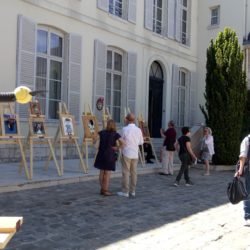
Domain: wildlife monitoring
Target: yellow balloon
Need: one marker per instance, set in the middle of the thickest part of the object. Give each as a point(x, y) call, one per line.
point(22, 94)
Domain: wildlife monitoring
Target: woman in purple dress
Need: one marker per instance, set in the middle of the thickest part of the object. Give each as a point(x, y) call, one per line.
point(106, 156)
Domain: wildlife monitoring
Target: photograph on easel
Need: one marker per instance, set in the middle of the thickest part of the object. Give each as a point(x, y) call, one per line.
point(10, 124)
point(90, 125)
point(68, 125)
point(38, 128)
point(144, 129)
point(35, 108)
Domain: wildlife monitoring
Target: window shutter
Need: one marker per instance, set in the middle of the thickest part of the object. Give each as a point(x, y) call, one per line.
point(148, 16)
point(192, 98)
point(132, 11)
point(175, 88)
point(65, 79)
point(75, 54)
point(171, 18)
point(131, 81)
point(178, 21)
point(103, 5)
point(26, 58)
point(165, 18)
point(99, 86)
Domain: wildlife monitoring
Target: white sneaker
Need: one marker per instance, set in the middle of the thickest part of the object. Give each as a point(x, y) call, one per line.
point(122, 194)
point(132, 194)
point(247, 223)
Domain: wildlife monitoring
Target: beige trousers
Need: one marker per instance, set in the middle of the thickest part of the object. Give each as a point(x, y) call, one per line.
point(168, 161)
point(129, 169)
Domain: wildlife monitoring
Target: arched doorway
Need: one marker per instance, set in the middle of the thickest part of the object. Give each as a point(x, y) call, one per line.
point(155, 99)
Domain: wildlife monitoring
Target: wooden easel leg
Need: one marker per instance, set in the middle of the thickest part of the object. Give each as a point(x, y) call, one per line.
point(61, 156)
point(141, 158)
point(87, 153)
point(153, 150)
point(80, 156)
point(54, 144)
point(31, 159)
point(23, 159)
point(54, 157)
point(21, 162)
point(142, 155)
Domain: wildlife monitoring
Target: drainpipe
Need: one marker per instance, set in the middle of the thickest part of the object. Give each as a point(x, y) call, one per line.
point(246, 9)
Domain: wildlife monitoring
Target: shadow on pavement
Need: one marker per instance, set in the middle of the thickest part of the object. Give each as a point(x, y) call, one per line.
point(76, 216)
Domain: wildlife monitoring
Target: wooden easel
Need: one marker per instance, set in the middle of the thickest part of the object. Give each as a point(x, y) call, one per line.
point(89, 138)
point(66, 133)
point(146, 136)
point(10, 131)
point(38, 135)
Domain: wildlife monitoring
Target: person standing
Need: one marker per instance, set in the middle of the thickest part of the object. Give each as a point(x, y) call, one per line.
point(105, 159)
point(132, 137)
point(168, 149)
point(207, 148)
point(186, 155)
point(244, 147)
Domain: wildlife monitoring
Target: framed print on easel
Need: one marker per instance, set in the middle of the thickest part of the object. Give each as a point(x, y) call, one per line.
point(10, 131)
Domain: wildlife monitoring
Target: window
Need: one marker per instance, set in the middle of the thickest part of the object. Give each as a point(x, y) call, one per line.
point(215, 13)
point(114, 83)
point(49, 69)
point(184, 15)
point(157, 16)
point(182, 90)
point(115, 7)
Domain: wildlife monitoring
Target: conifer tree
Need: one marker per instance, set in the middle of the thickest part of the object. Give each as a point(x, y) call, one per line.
point(225, 95)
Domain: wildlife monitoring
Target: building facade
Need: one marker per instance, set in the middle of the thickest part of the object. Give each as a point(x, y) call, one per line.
point(140, 55)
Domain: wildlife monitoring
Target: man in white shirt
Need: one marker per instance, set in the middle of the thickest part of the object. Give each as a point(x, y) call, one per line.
point(244, 156)
point(132, 137)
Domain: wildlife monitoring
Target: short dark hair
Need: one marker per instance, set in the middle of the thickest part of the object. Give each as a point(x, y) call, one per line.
point(185, 130)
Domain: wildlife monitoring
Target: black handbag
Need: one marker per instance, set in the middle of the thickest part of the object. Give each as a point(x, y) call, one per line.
point(236, 191)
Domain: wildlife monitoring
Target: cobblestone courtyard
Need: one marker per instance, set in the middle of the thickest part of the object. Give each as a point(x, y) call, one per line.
point(161, 216)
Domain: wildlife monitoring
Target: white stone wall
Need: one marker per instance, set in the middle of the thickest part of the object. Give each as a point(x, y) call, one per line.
point(232, 14)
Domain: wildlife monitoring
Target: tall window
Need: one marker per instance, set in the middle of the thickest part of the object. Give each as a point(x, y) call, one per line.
point(115, 7)
point(215, 14)
point(157, 16)
point(114, 83)
point(49, 63)
point(184, 15)
point(182, 98)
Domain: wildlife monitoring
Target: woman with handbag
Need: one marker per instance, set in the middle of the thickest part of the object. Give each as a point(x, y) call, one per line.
point(207, 148)
point(243, 159)
point(106, 156)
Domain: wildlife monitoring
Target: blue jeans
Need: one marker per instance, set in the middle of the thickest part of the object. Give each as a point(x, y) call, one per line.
point(246, 203)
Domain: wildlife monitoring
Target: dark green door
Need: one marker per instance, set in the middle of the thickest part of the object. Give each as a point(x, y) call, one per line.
point(155, 107)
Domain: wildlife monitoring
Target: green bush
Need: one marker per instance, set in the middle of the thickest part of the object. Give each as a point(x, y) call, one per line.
point(225, 95)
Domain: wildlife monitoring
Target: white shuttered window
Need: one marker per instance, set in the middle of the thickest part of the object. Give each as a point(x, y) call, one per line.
point(114, 80)
point(54, 66)
point(49, 69)
point(125, 9)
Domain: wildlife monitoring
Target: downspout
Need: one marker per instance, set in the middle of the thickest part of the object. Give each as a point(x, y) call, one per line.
point(246, 9)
